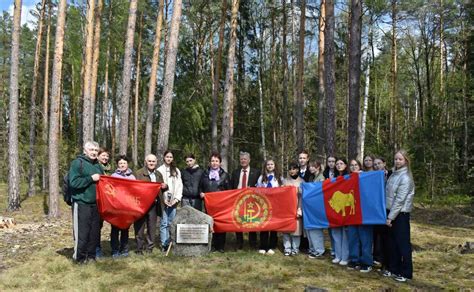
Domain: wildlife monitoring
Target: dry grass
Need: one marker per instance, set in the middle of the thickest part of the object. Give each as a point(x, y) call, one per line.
point(36, 256)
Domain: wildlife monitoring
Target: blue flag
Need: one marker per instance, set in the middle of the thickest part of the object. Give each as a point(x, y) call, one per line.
point(358, 198)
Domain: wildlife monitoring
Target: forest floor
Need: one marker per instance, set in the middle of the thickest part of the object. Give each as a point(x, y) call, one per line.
point(35, 254)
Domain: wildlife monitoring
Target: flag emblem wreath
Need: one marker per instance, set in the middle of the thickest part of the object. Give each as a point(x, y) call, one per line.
point(252, 210)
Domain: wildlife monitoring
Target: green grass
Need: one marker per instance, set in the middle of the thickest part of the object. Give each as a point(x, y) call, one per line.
point(35, 255)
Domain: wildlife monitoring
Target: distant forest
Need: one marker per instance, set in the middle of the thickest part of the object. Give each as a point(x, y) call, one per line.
point(345, 78)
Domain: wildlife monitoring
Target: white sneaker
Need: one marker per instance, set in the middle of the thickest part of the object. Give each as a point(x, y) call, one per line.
point(343, 263)
point(336, 261)
point(262, 251)
point(270, 252)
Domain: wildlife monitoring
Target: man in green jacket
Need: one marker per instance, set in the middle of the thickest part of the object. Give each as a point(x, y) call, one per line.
point(84, 173)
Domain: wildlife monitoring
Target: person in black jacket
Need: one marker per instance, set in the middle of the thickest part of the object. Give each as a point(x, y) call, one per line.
point(191, 177)
point(303, 160)
point(245, 176)
point(215, 179)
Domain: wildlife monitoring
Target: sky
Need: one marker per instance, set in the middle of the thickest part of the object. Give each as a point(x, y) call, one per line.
point(27, 5)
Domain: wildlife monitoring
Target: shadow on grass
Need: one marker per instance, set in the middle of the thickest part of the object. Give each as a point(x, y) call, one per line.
point(66, 252)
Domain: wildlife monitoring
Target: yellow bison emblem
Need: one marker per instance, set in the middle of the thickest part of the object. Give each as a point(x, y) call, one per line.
point(340, 201)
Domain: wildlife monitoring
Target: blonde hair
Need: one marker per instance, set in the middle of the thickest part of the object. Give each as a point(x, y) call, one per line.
point(404, 153)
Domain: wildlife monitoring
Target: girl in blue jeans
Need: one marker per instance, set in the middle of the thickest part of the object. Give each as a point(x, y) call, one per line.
point(360, 238)
point(172, 194)
point(339, 234)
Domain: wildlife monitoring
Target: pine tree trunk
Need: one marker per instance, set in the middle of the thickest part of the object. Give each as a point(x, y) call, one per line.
point(87, 131)
point(229, 89)
point(330, 79)
point(284, 57)
point(152, 83)
point(105, 104)
point(300, 83)
point(393, 70)
point(44, 171)
point(320, 137)
point(260, 92)
point(126, 79)
point(170, 67)
point(217, 75)
point(95, 64)
point(33, 110)
point(13, 156)
point(54, 116)
point(354, 77)
point(137, 95)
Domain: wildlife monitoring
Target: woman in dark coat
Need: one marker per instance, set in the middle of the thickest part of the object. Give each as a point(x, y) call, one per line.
point(215, 179)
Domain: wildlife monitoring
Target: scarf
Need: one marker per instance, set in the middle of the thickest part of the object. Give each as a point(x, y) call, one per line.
point(269, 180)
point(214, 174)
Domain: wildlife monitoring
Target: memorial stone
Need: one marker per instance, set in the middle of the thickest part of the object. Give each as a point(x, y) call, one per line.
point(190, 232)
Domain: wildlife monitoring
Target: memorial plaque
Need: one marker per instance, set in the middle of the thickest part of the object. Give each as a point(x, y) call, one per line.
point(192, 233)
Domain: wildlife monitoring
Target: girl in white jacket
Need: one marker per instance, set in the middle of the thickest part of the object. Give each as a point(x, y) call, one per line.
point(172, 194)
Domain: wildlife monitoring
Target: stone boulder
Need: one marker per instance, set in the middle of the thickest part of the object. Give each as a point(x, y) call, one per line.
point(189, 215)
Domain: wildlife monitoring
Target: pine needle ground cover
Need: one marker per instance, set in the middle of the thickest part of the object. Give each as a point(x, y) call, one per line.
point(36, 255)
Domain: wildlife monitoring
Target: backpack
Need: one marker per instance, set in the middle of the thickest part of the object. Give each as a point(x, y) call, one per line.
point(68, 191)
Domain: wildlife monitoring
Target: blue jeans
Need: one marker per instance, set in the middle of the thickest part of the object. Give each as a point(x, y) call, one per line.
point(166, 218)
point(291, 243)
point(341, 243)
point(360, 244)
point(316, 240)
point(331, 237)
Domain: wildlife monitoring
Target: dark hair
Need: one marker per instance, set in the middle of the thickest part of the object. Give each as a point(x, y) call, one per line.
point(358, 163)
point(363, 165)
point(122, 157)
point(277, 172)
point(303, 152)
point(190, 155)
point(327, 169)
point(317, 164)
point(216, 155)
point(293, 165)
point(102, 150)
point(346, 171)
point(380, 158)
point(173, 169)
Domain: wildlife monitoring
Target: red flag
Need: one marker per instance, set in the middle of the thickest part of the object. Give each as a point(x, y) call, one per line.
point(342, 201)
point(253, 209)
point(121, 201)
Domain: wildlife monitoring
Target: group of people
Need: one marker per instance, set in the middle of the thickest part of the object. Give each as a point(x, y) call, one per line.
point(356, 247)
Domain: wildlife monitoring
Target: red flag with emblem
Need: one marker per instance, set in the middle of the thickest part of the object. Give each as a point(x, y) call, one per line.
point(342, 201)
point(253, 209)
point(122, 202)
